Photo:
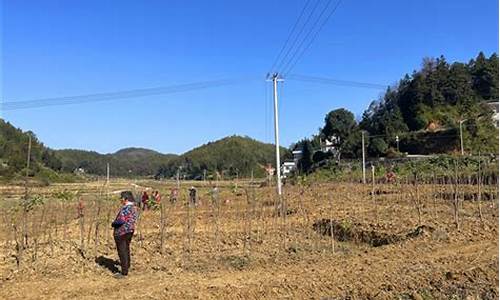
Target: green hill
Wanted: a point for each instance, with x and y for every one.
(125, 162)
(231, 156)
(436, 98)
(13, 153)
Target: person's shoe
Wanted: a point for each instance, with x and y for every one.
(119, 276)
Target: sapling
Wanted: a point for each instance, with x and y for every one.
(479, 192)
(373, 193)
(162, 226)
(456, 197)
(65, 197)
(27, 204)
(214, 194)
(331, 223)
(97, 223)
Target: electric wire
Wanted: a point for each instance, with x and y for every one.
(289, 36)
(288, 68)
(332, 81)
(127, 94)
(292, 46)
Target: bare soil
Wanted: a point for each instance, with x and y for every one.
(238, 247)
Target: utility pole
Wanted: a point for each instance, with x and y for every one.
(397, 142)
(275, 78)
(461, 137)
(107, 173)
(363, 150)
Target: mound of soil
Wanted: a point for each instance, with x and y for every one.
(344, 231)
(467, 196)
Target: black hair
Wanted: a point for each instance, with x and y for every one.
(127, 195)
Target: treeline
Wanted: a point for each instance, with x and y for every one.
(230, 157)
(13, 153)
(419, 115)
(123, 163)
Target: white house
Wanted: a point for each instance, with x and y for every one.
(297, 155)
(328, 145)
(287, 168)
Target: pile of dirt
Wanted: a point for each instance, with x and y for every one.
(467, 196)
(345, 231)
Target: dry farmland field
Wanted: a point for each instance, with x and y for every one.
(321, 241)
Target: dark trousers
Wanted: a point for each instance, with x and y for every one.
(123, 247)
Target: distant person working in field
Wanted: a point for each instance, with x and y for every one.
(192, 196)
(173, 195)
(124, 226)
(157, 197)
(145, 200)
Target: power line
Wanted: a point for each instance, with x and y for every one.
(100, 97)
(283, 58)
(332, 81)
(287, 69)
(289, 36)
(307, 35)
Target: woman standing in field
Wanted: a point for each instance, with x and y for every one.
(124, 226)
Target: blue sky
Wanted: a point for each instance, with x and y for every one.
(64, 48)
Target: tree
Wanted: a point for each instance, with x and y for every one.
(305, 162)
(377, 147)
(339, 124)
(485, 76)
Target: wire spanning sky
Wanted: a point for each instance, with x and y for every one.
(55, 49)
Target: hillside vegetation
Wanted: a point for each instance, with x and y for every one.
(419, 115)
(13, 153)
(230, 157)
(125, 162)
(437, 98)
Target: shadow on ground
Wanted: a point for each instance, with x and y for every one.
(108, 263)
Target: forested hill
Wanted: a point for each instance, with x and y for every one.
(231, 156)
(421, 114)
(125, 162)
(14, 149)
(437, 98)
